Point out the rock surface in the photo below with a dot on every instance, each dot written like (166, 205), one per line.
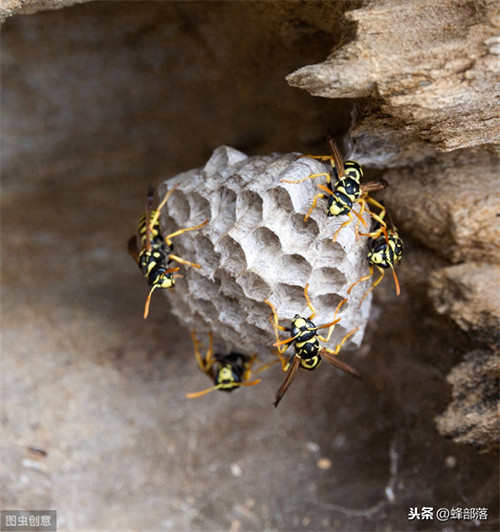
(451, 204)
(8, 8)
(428, 71)
(468, 293)
(426, 76)
(472, 417)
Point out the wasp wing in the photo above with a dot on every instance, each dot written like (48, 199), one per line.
(373, 186)
(133, 248)
(338, 363)
(288, 380)
(337, 157)
(147, 215)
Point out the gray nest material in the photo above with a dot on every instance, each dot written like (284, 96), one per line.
(257, 246)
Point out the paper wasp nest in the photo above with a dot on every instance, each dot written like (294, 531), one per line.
(257, 246)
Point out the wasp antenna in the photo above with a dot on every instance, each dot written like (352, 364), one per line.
(250, 383)
(288, 340)
(329, 135)
(203, 392)
(151, 193)
(148, 300)
(396, 282)
(170, 270)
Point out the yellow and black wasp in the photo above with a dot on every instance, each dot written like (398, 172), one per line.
(155, 255)
(385, 251)
(346, 191)
(306, 341)
(227, 372)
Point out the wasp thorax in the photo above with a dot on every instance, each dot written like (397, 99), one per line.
(307, 349)
(226, 374)
(302, 328)
(165, 281)
(375, 256)
(339, 204)
(353, 170)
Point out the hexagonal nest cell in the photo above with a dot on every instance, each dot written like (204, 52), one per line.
(257, 246)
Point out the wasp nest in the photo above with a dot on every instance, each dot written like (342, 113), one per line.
(257, 246)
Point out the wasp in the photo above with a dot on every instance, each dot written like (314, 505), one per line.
(346, 190)
(306, 342)
(227, 372)
(385, 251)
(155, 255)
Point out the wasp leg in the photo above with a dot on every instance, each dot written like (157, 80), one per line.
(378, 218)
(332, 324)
(364, 278)
(320, 157)
(331, 356)
(248, 371)
(315, 200)
(248, 383)
(266, 366)
(281, 344)
(375, 234)
(342, 226)
(182, 261)
(374, 284)
(169, 237)
(329, 158)
(309, 304)
(333, 159)
(197, 344)
(362, 207)
(359, 216)
(312, 176)
(356, 230)
(155, 217)
(382, 211)
(292, 371)
(204, 364)
(335, 351)
(274, 322)
(209, 356)
(248, 368)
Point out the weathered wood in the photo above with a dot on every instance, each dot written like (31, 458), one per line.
(428, 70)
